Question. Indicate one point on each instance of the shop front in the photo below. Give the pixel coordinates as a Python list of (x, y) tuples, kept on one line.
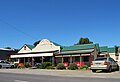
[(33, 58), (80, 60), (79, 54)]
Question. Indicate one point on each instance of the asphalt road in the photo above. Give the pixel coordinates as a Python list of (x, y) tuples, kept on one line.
[(11, 77)]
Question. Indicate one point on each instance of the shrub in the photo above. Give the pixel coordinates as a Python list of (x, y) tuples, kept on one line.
[(72, 66), (50, 67), (21, 67), (61, 66), (27, 65), (16, 65), (84, 67), (39, 66), (45, 65)]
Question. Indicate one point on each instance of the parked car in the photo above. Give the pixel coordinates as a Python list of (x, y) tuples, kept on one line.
[(6, 64), (104, 64)]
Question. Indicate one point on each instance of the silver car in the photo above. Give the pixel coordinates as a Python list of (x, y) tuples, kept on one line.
[(6, 64), (104, 64)]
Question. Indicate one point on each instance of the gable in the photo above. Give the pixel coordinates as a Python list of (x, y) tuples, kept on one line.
[(46, 45), (24, 49)]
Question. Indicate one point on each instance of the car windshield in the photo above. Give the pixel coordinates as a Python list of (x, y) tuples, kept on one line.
[(98, 59)]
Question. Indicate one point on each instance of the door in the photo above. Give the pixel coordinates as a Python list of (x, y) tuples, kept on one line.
[(3, 64), (7, 64)]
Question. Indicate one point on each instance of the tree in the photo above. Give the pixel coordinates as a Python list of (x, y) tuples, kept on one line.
[(116, 50), (8, 48), (37, 42), (84, 41), (16, 50)]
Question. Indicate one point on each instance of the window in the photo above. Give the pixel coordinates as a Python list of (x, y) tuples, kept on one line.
[(77, 58), (66, 59), (24, 47), (2, 61), (98, 59), (86, 58), (58, 60)]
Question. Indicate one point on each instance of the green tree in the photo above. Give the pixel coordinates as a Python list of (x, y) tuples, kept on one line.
[(84, 41), (8, 48), (16, 50), (116, 50), (37, 42)]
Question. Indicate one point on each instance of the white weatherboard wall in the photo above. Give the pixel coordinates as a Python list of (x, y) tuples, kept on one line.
[(112, 55), (23, 50), (119, 59), (45, 45)]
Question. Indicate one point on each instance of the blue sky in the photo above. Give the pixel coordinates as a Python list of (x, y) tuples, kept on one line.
[(62, 21)]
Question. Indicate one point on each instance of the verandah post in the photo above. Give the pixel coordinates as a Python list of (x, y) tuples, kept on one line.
[(70, 58), (33, 62), (53, 60), (62, 59), (24, 61), (90, 58)]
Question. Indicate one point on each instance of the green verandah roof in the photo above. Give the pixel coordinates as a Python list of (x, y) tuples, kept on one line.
[(76, 52), (111, 50), (79, 47), (104, 49)]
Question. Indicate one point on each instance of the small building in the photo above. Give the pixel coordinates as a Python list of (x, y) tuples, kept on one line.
[(103, 51), (108, 52), (43, 52), (5, 53), (118, 55), (112, 53)]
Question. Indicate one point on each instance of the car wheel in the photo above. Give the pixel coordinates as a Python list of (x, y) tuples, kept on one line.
[(117, 68), (12, 66), (0, 66), (110, 69), (94, 70), (7, 67)]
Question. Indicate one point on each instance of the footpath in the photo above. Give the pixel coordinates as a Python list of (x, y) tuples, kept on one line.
[(63, 73)]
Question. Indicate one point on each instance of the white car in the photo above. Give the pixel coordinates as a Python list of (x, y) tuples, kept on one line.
[(6, 64), (104, 64)]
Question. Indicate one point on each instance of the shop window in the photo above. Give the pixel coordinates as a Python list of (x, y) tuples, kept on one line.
[(16, 60), (66, 59), (59, 60), (77, 59), (86, 58)]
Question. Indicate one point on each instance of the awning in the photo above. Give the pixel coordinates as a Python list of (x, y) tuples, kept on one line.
[(31, 55)]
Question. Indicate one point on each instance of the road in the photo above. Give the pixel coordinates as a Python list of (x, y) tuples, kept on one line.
[(11, 77)]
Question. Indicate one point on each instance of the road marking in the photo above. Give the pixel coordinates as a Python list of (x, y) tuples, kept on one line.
[(19, 81)]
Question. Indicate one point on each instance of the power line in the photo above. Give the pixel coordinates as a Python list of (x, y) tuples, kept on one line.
[(16, 28)]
